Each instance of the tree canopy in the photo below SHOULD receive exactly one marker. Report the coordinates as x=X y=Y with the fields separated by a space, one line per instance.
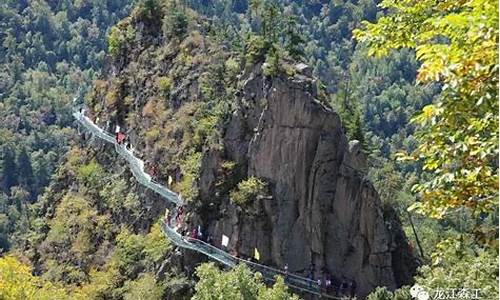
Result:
x=456 y=43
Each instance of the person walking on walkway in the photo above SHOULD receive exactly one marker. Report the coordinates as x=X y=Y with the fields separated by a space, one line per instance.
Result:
x=328 y=283
x=343 y=287
x=310 y=276
x=167 y=216
x=352 y=288
x=199 y=233
x=285 y=269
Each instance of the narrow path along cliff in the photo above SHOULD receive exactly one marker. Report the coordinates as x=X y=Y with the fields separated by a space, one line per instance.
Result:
x=170 y=227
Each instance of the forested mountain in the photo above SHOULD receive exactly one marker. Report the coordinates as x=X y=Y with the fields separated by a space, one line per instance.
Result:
x=344 y=140
x=51 y=51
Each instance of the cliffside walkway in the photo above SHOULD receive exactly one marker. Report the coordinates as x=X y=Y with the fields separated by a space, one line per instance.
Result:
x=137 y=168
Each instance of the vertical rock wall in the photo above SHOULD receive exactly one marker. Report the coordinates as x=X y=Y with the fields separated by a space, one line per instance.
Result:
x=322 y=210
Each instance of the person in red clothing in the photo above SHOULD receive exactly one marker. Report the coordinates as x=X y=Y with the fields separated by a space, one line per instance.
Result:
x=120 y=138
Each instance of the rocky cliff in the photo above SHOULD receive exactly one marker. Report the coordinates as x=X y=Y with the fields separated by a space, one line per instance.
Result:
x=318 y=208
x=321 y=209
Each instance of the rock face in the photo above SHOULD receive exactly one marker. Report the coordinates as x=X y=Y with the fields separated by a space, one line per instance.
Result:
x=319 y=210
x=322 y=211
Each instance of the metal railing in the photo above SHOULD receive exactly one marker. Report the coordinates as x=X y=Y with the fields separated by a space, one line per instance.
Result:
x=137 y=168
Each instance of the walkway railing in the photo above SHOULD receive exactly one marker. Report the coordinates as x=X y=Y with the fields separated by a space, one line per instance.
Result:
x=137 y=168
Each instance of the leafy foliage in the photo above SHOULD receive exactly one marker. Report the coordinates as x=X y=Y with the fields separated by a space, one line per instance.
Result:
x=247 y=190
x=381 y=293
x=175 y=24
x=456 y=265
x=456 y=42
x=145 y=287
x=16 y=282
x=190 y=168
x=238 y=283
x=51 y=51
x=119 y=35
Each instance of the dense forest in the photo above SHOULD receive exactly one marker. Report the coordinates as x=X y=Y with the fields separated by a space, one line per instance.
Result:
x=415 y=84
x=51 y=51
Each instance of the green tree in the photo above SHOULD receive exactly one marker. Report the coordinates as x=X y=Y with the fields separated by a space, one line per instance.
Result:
x=9 y=170
x=239 y=283
x=16 y=282
x=143 y=288
x=25 y=171
x=349 y=110
x=456 y=42
x=381 y=293
x=175 y=23
x=294 y=41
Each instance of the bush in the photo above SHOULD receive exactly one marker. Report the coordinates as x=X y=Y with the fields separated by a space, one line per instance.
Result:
x=256 y=48
x=17 y=282
x=228 y=165
x=111 y=97
x=114 y=41
x=381 y=293
x=148 y=9
x=145 y=287
x=175 y=24
x=248 y=189
x=457 y=264
x=165 y=84
x=232 y=68
x=156 y=245
x=118 y=36
x=128 y=253
x=152 y=135
x=190 y=168
x=239 y=283
x=90 y=173
x=271 y=65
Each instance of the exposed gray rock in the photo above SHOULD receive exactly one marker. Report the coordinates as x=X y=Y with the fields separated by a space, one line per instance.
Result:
x=322 y=209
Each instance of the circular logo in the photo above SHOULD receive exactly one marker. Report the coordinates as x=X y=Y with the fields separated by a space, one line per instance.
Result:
x=419 y=293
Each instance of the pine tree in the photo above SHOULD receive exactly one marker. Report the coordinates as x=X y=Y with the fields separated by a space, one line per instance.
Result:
x=9 y=173
x=356 y=131
x=293 y=40
x=350 y=112
x=25 y=172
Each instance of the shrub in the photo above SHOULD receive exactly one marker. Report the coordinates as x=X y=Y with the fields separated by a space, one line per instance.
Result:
x=156 y=245
x=148 y=9
x=17 y=282
x=114 y=41
x=145 y=287
x=90 y=173
x=239 y=283
x=152 y=135
x=248 y=189
x=165 y=84
x=190 y=168
x=256 y=48
x=270 y=66
x=228 y=165
x=128 y=252
x=118 y=36
x=175 y=24
x=232 y=68
x=112 y=97
x=205 y=130
x=149 y=109
x=381 y=293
